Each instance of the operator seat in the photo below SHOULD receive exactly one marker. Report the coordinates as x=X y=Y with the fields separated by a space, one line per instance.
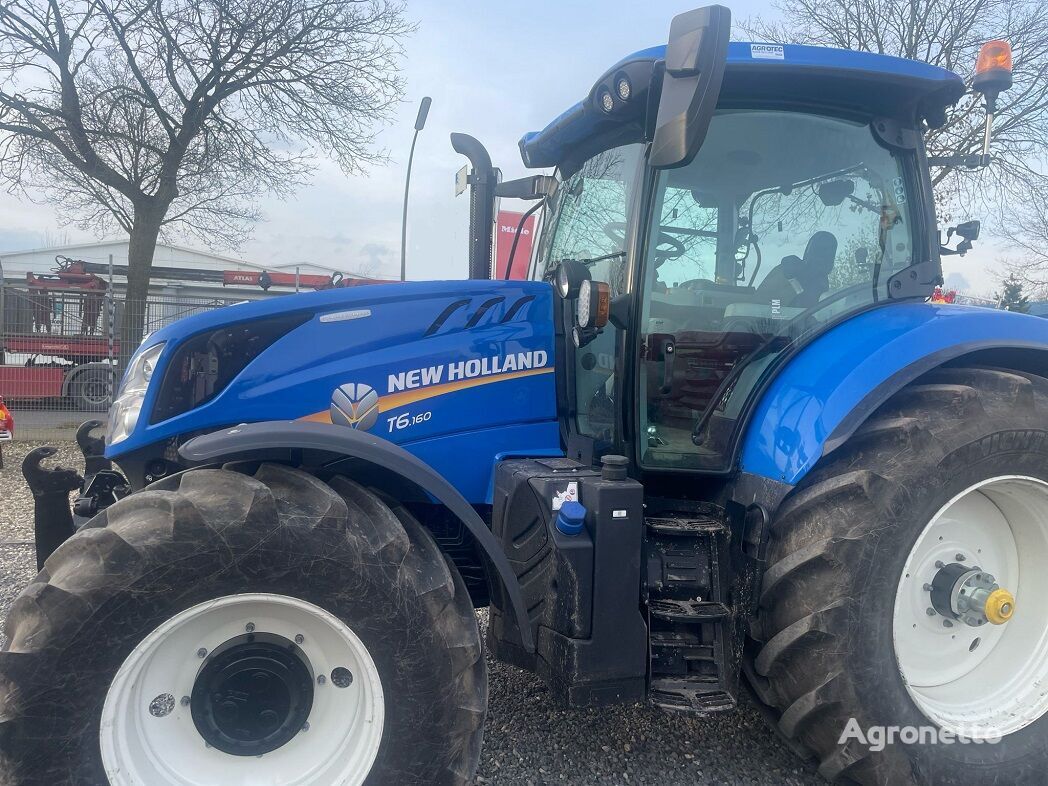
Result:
x=797 y=282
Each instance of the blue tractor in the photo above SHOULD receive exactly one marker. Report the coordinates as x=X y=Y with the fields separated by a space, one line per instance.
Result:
x=719 y=439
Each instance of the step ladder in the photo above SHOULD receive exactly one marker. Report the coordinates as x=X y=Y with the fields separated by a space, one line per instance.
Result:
x=690 y=623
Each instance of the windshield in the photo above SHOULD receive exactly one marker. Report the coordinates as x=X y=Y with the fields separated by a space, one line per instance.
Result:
x=781 y=223
x=587 y=221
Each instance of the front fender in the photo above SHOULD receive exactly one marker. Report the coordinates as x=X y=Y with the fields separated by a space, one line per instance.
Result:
x=833 y=385
x=273 y=438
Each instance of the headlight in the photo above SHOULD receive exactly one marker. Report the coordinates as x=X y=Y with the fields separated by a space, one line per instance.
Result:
x=582 y=314
x=123 y=415
x=570 y=275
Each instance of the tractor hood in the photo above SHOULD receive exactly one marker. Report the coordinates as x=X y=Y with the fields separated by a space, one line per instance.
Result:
x=433 y=366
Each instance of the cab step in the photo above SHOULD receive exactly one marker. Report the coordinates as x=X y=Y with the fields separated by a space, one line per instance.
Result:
x=689 y=526
x=694 y=695
x=690 y=623
x=687 y=610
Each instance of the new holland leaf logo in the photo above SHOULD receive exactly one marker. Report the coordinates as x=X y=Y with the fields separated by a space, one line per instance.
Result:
x=355 y=405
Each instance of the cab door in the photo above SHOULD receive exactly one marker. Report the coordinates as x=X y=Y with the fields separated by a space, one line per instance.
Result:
x=784 y=222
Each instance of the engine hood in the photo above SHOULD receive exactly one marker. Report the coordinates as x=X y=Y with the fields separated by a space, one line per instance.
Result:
x=444 y=368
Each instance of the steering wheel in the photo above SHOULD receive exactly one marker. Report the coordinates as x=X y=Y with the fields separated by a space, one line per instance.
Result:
x=697 y=283
x=616 y=230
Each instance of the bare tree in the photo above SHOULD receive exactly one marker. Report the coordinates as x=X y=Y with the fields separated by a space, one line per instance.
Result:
x=1029 y=238
x=175 y=115
x=949 y=33
x=54 y=239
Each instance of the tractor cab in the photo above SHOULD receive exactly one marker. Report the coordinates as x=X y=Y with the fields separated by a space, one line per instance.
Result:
x=687 y=277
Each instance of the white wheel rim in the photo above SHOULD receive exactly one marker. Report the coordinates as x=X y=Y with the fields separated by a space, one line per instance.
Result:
x=989 y=681
x=344 y=724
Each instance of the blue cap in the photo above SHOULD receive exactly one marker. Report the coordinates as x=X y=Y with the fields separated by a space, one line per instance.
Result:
x=571 y=518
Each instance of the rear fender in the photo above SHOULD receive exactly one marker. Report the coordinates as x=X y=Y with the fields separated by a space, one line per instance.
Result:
x=276 y=440
x=819 y=399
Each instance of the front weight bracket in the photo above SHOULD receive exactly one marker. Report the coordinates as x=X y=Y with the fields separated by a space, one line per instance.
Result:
x=52 y=516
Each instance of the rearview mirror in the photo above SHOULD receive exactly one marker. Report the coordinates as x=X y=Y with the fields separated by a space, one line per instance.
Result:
x=834 y=192
x=969 y=230
x=695 y=59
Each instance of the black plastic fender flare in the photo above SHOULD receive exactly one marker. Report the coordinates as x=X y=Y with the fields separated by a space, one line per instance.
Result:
x=267 y=437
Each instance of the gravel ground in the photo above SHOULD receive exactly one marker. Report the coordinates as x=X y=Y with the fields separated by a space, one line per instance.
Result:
x=528 y=738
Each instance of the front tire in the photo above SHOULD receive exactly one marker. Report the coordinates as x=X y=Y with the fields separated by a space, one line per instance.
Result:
x=213 y=582
x=953 y=470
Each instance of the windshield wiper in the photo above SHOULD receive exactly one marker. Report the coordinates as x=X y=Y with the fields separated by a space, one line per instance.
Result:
x=551 y=272
x=587 y=261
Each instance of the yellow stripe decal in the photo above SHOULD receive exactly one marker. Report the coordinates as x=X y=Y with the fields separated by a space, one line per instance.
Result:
x=396 y=400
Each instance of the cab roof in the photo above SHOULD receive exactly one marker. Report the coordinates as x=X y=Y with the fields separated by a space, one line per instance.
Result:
x=792 y=75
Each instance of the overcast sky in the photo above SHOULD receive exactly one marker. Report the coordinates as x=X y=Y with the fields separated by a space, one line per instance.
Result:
x=494 y=70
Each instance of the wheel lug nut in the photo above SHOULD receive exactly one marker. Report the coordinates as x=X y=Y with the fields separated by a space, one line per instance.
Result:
x=940 y=564
x=959 y=557
x=321 y=679
x=305 y=726
x=947 y=624
x=299 y=638
x=931 y=612
x=184 y=701
x=250 y=627
x=201 y=653
x=927 y=587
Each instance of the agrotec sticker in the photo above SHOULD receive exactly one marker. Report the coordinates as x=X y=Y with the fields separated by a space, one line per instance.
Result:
x=767 y=52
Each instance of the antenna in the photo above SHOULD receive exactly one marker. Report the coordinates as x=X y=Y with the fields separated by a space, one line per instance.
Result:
x=420 y=123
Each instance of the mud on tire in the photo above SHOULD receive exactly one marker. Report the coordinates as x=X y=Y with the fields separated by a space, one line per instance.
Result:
x=247 y=527
x=824 y=652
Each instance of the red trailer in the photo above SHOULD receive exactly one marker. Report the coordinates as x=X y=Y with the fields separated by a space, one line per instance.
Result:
x=55 y=341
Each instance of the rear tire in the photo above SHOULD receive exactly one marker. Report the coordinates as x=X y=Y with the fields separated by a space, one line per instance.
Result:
x=830 y=648
x=208 y=537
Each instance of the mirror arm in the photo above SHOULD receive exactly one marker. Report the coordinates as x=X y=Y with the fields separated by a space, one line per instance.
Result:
x=531 y=187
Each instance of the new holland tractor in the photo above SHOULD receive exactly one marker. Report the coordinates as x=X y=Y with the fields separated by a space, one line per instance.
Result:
x=722 y=437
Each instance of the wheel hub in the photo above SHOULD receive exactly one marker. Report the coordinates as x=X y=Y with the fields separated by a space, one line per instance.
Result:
x=970 y=595
x=252 y=696
x=188 y=705
x=973 y=660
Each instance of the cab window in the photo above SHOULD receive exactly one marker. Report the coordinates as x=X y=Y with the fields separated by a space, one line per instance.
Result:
x=783 y=221
x=588 y=222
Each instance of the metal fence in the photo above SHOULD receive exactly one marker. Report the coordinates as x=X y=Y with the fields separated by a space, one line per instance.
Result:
x=61 y=351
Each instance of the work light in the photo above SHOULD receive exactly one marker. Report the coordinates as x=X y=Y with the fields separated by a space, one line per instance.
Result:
x=570 y=275
x=594 y=304
x=622 y=87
